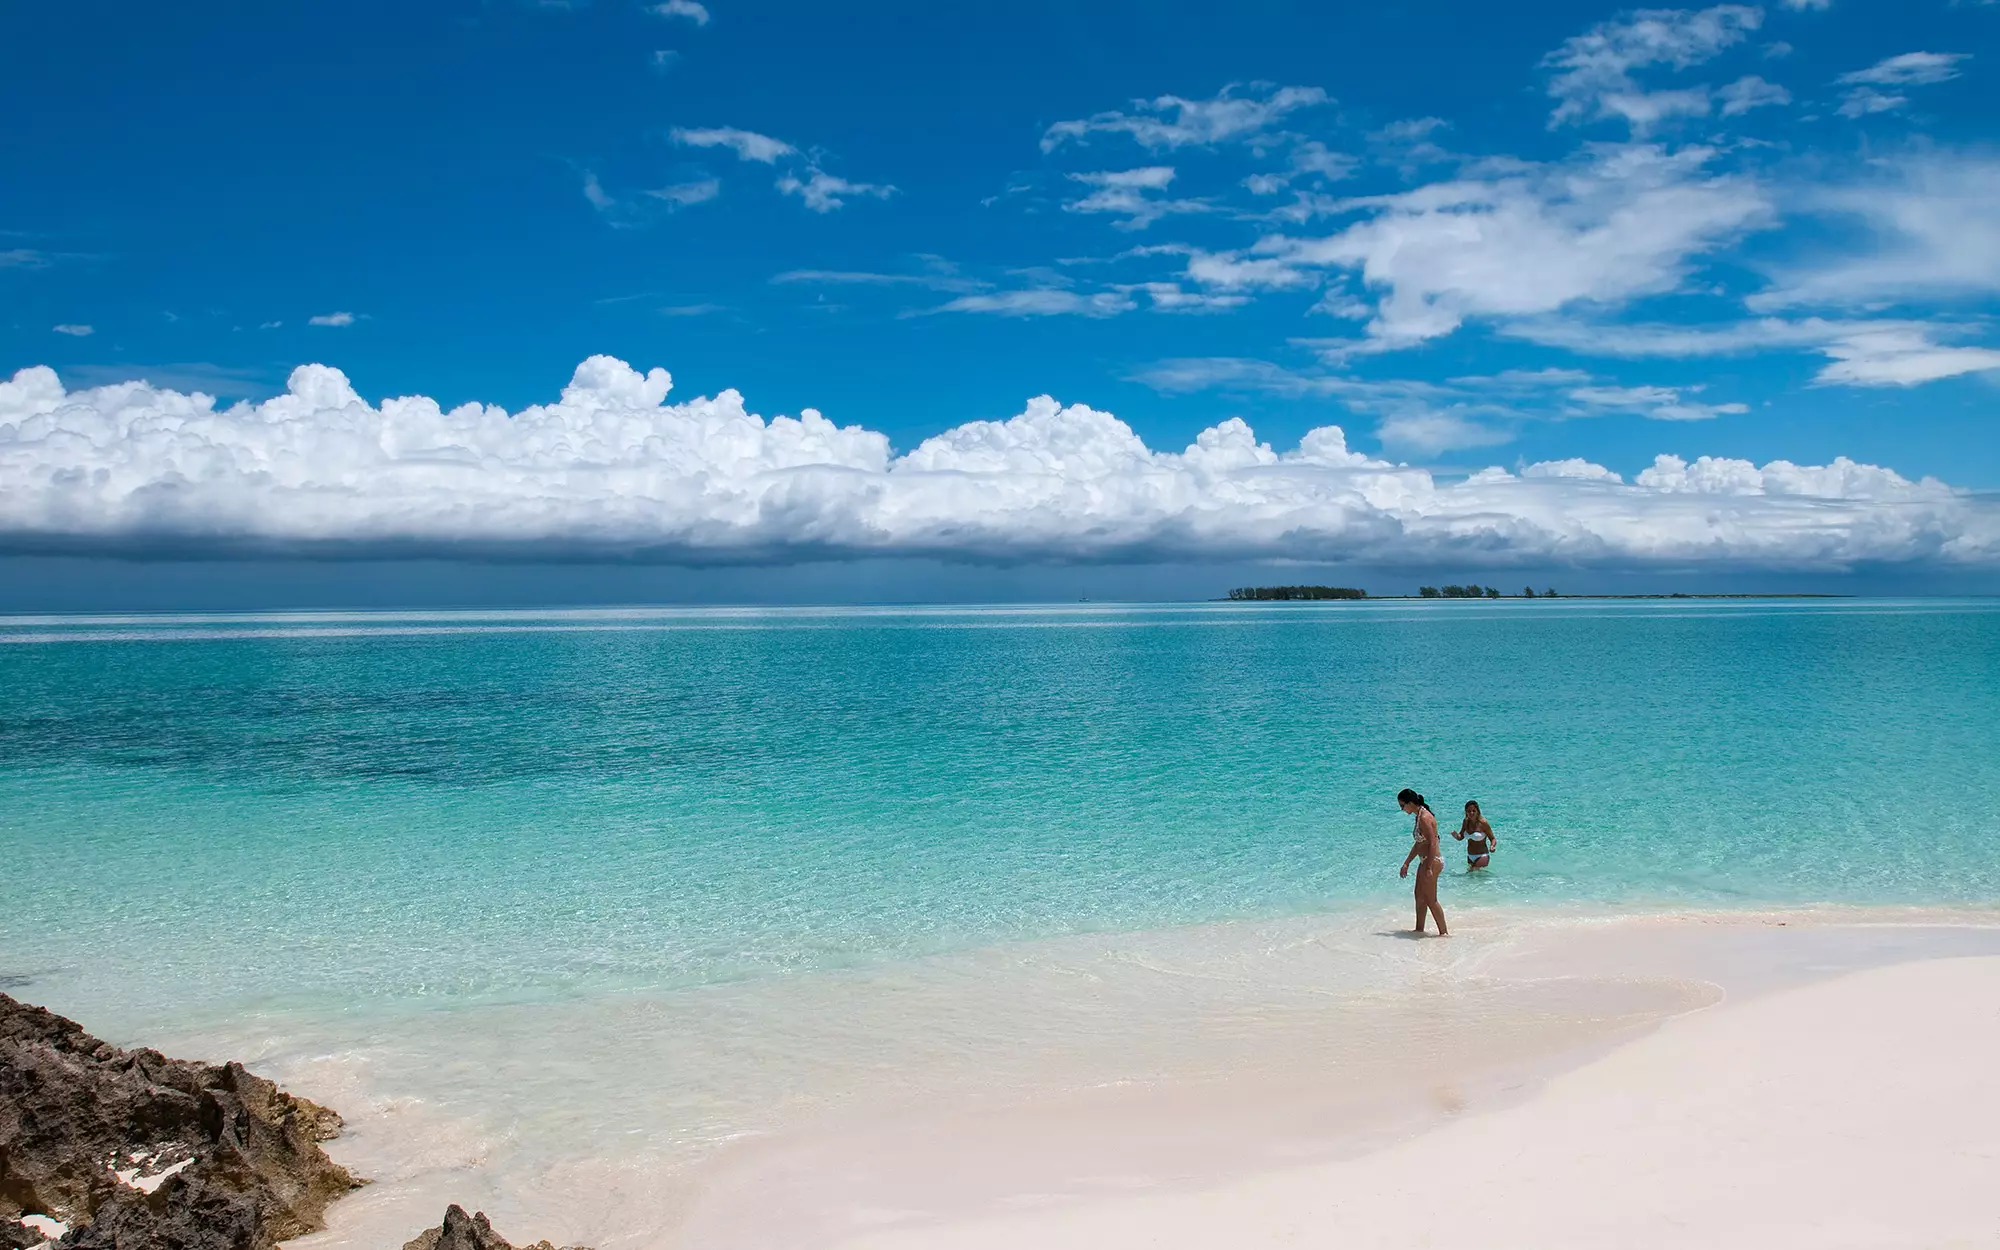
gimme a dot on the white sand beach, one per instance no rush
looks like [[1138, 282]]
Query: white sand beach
[[1863, 1111], [1801, 1078]]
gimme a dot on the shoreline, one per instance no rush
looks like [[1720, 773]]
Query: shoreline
[[946, 1100], [1049, 1074]]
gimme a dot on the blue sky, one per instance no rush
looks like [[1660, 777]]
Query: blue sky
[[1467, 235]]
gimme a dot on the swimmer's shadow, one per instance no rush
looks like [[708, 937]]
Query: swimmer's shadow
[[1407, 935]]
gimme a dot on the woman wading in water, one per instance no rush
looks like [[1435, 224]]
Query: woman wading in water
[[1477, 836], [1426, 847]]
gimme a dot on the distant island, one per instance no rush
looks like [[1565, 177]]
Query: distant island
[[1269, 593], [1297, 592]]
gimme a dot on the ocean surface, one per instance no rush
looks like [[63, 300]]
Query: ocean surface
[[205, 815], [564, 910]]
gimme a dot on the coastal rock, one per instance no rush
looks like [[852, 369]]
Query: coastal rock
[[468, 1232], [136, 1151]]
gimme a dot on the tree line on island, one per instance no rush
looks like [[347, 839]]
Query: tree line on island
[[1350, 592], [1477, 592]]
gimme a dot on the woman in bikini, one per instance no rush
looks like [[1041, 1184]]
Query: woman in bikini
[[1426, 847], [1477, 836]]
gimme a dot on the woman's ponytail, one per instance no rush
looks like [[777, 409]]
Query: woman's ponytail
[[1414, 800]]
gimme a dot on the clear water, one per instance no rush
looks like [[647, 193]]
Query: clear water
[[202, 816]]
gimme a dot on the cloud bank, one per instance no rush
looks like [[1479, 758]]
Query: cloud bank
[[613, 471]]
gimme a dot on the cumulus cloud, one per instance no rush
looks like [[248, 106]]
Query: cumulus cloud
[[1430, 417], [1626, 221], [332, 319], [1233, 114], [611, 468], [747, 144], [74, 330], [1594, 72]]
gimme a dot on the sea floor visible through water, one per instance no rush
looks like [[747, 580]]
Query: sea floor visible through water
[[594, 918], [792, 1111]]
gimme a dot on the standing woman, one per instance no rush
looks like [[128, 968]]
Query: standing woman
[[1477, 836], [1425, 846]]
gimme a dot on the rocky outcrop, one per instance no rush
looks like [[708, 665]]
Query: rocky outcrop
[[468, 1232], [135, 1151]]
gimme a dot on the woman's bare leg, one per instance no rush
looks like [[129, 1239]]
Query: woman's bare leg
[[1427, 899]]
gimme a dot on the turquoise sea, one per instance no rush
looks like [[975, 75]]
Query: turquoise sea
[[205, 816]]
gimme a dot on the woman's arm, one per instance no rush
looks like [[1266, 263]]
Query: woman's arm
[[1492, 841], [1416, 846]]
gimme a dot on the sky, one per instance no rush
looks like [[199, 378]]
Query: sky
[[1578, 291]]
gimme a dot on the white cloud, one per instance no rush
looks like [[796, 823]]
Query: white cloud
[[692, 10], [1234, 271], [1626, 221], [824, 192], [1802, 6], [1043, 302], [1864, 101], [1127, 193], [1864, 353], [1411, 129], [1934, 234], [1594, 79], [1751, 92], [1169, 297], [681, 195], [332, 319], [593, 191], [23, 258], [75, 331], [1911, 69], [747, 144], [613, 469], [1575, 469], [1900, 357], [1235, 113], [664, 58], [1433, 432], [939, 275], [1658, 403]]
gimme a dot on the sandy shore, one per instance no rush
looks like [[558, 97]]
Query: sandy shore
[[1535, 1080], [1862, 1111]]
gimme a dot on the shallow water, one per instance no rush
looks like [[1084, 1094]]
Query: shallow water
[[554, 906], [205, 815]]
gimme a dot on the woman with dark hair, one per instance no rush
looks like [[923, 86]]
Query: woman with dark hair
[[1477, 836], [1425, 845]]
